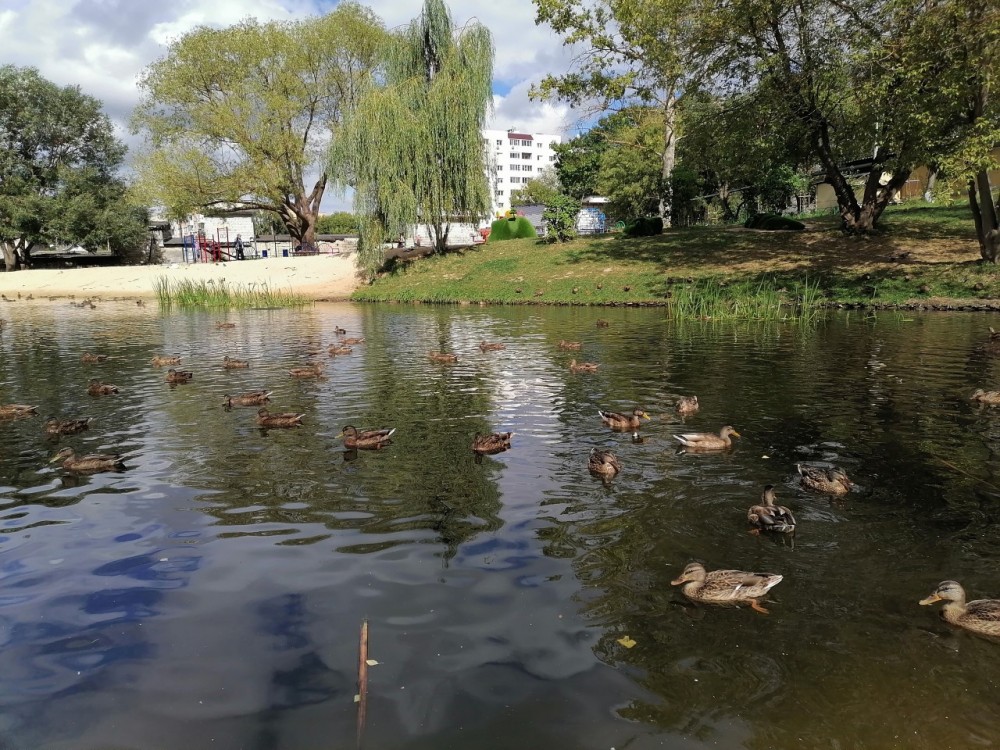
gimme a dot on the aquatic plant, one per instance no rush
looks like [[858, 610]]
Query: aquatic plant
[[762, 299], [211, 293]]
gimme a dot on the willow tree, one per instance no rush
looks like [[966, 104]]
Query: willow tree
[[413, 149], [241, 117]]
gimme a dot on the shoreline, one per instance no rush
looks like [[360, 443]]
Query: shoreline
[[322, 278]]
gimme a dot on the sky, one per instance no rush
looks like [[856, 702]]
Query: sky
[[102, 45]]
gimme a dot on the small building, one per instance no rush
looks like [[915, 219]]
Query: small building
[[514, 158]]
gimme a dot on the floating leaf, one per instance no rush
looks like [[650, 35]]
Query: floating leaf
[[357, 698], [627, 642], [371, 662]]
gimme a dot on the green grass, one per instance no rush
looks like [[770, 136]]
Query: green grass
[[219, 294], [921, 253]]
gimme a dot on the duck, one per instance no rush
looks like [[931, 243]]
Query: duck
[[91, 359], [707, 441], [90, 463], [67, 426], [603, 463], [97, 388], [17, 411], [725, 587], [287, 419], [601, 323], [488, 347], [352, 341], [234, 364], [312, 371], [162, 361], [367, 439], [979, 616], [494, 442], [570, 345], [988, 398], [250, 398], [686, 405], [575, 366], [339, 331], [832, 481], [442, 357], [225, 325], [179, 376], [336, 350], [770, 517], [623, 422]]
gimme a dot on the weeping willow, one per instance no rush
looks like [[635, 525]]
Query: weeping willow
[[412, 149]]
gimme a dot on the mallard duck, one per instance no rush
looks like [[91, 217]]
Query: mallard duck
[[601, 323], [97, 388], [575, 366], [91, 359], [570, 345], [67, 426], [494, 442], [225, 325], [832, 481], [179, 376], [287, 419], [980, 616], [686, 405], [352, 341], [488, 347], [368, 439], [312, 371], [623, 422], [726, 587], [603, 463], [17, 411], [159, 361], [339, 331], [442, 357], [234, 364], [707, 441], [339, 350], [250, 398], [770, 517], [89, 464], [989, 398]]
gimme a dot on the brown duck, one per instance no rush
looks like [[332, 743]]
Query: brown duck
[[832, 481], [90, 463], [570, 345], [352, 341], [339, 331], [494, 442], [225, 325], [159, 361], [686, 405], [179, 376], [623, 422], [708, 441], [91, 359], [488, 347], [603, 463], [442, 357], [770, 517], [980, 615], [575, 366], [97, 388], [988, 398], [17, 411], [601, 323], [726, 587], [234, 364], [312, 371], [366, 439], [250, 398], [287, 419], [67, 426], [338, 350]]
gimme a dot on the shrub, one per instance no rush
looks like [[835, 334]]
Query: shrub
[[773, 222], [511, 229], [644, 226], [560, 218]]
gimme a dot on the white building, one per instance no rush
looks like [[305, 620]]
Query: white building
[[514, 158]]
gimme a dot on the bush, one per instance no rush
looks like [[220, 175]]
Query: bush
[[644, 226], [773, 222], [560, 218], [511, 229]]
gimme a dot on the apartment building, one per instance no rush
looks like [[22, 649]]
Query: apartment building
[[514, 158]]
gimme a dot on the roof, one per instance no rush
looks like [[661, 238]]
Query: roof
[[522, 136]]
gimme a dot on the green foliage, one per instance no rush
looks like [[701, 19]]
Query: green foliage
[[517, 228], [239, 117], [341, 222], [644, 226], [773, 222], [538, 191], [413, 146], [560, 218], [758, 299], [187, 293]]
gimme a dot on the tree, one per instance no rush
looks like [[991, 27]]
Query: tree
[[537, 191], [58, 170], [412, 150], [241, 117], [560, 218], [342, 222]]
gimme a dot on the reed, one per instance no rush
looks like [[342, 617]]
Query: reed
[[762, 299], [219, 294]]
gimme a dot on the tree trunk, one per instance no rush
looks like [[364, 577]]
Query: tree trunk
[[669, 151], [986, 215], [10, 258], [440, 235], [929, 190]]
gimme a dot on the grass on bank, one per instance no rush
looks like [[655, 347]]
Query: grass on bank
[[923, 253], [211, 293]]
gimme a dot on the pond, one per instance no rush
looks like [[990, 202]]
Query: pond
[[211, 594]]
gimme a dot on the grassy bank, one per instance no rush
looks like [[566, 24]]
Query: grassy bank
[[924, 256]]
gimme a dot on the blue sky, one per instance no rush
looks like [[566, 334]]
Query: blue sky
[[102, 45]]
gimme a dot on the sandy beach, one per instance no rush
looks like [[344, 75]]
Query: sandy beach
[[322, 277]]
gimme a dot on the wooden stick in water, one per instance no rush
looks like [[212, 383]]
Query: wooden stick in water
[[362, 680]]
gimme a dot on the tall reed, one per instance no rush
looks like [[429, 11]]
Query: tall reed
[[762, 299], [211, 293]]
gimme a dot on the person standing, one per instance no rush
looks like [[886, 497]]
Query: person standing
[[238, 245]]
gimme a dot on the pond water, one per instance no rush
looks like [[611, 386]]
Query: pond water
[[211, 595]]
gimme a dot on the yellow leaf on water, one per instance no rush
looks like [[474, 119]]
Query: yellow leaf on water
[[371, 662], [357, 698], [627, 642]]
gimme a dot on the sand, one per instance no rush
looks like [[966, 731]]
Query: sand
[[322, 277]]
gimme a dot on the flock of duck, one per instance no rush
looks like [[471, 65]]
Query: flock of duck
[[721, 587]]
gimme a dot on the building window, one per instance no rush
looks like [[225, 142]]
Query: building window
[[515, 167], [499, 142], [528, 167], [552, 158], [513, 155], [539, 157], [514, 142], [499, 193], [525, 156]]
